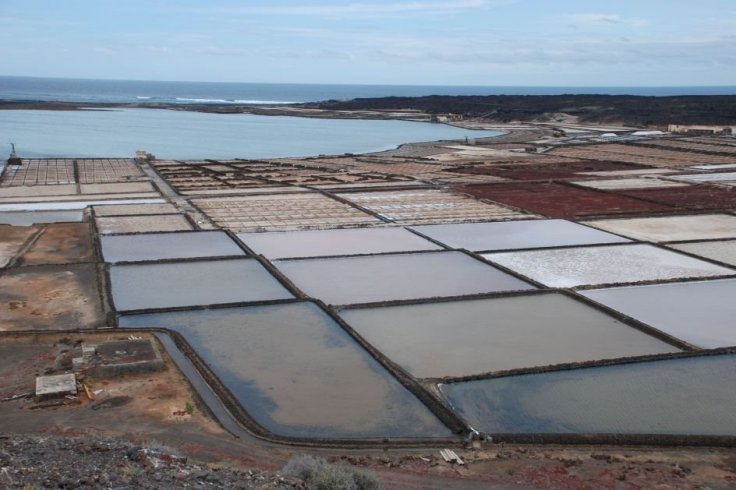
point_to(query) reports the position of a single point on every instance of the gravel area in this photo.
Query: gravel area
(60, 462)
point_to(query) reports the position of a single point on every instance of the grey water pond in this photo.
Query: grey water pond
(142, 286)
(351, 280)
(700, 313)
(315, 243)
(28, 218)
(460, 338)
(298, 373)
(156, 246)
(691, 396)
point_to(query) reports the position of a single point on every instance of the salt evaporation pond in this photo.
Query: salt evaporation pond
(72, 205)
(350, 280)
(700, 313)
(28, 218)
(609, 264)
(672, 228)
(209, 282)
(692, 396)
(316, 243)
(157, 246)
(461, 338)
(298, 373)
(508, 235)
(721, 251)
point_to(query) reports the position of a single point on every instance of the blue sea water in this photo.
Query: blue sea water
(84, 90)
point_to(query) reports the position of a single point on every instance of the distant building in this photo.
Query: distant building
(443, 118)
(13, 160)
(700, 129)
(144, 155)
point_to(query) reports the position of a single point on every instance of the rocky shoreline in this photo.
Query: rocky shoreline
(639, 111)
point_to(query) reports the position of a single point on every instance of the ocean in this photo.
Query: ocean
(83, 90)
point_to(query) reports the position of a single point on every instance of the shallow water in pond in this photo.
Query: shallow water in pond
(27, 218)
(298, 374)
(461, 338)
(700, 313)
(315, 243)
(156, 246)
(693, 396)
(142, 286)
(353, 280)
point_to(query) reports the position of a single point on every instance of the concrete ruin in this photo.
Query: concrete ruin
(56, 386)
(115, 358)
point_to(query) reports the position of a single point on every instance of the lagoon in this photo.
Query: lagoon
(171, 134)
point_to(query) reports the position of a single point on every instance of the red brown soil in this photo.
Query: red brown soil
(694, 197)
(50, 297)
(545, 171)
(562, 201)
(61, 243)
(12, 239)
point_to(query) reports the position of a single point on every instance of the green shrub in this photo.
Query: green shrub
(320, 475)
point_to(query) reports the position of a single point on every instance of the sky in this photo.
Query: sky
(414, 42)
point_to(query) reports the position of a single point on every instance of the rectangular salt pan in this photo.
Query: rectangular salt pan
(279, 245)
(156, 246)
(516, 235)
(369, 279)
(608, 264)
(714, 177)
(693, 396)
(298, 374)
(700, 313)
(462, 338)
(143, 286)
(672, 228)
(719, 166)
(134, 209)
(137, 224)
(720, 251)
(28, 218)
(633, 183)
(73, 205)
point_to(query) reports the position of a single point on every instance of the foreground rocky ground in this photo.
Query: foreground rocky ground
(53, 461)
(60, 462)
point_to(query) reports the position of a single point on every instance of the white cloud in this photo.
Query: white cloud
(370, 9)
(602, 19)
(594, 18)
(571, 52)
(220, 51)
(108, 50)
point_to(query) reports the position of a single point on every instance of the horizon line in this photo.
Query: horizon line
(364, 84)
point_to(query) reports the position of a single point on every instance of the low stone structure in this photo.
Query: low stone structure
(119, 357)
(56, 386)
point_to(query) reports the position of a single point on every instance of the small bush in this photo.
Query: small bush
(320, 475)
